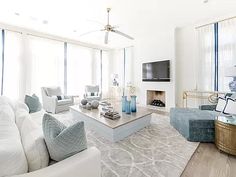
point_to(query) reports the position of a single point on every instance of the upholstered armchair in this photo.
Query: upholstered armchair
(54, 101)
(92, 93)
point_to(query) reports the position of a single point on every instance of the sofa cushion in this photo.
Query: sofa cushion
(53, 91)
(64, 102)
(33, 143)
(12, 156)
(62, 141)
(33, 103)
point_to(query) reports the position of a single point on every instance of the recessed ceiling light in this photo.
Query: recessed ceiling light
(17, 14)
(74, 31)
(205, 1)
(45, 22)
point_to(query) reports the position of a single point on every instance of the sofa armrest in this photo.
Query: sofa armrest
(84, 164)
(207, 107)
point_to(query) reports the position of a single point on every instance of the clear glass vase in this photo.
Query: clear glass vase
(124, 100)
(133, 103)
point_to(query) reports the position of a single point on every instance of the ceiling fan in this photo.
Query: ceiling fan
(108, 28)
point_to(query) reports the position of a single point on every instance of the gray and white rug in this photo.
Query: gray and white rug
(155, 151)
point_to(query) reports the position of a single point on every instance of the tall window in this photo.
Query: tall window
(47, 63)
(105, 74)
(206, 62)
(217, 52)
(13, 75)
(1, 57)
(79, 69)
(227, 51)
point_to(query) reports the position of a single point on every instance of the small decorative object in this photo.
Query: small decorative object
(115, 79)
(94, 104)
(84, 101)
(127, 107)
(88, 106)
(231, 72)
(111, 115)
(124, 100)
(133, 103)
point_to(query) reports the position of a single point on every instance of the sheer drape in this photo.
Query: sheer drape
(227, 51)
(14, 66)
(206, 65)
(79, 69)
(105, 74)
(47, 63)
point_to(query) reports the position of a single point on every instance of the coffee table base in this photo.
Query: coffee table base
(114, 134)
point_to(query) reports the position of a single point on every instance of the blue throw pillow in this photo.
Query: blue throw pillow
(33, 103)
(62, 141)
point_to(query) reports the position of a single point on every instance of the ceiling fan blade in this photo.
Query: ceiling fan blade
(106, 37)
(91, 32)
(122, 34)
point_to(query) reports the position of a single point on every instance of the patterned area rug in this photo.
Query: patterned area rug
(155, 151)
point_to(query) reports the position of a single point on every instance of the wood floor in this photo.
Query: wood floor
(207, 161)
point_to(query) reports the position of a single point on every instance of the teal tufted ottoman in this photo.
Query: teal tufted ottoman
(194, 124)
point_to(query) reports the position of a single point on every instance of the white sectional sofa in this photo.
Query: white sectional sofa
(14, 158)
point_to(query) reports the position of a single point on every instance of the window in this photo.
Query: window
(217, 52)
(47, 63)
(206, 62)
(13, 75)
(105, 74)
(1, 57)
(79, 69)
(227, 51)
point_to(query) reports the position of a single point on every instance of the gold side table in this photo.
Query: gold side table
(225, 134)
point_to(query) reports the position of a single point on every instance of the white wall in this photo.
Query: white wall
(153, 46)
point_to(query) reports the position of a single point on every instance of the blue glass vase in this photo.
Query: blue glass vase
(128, 108)
(133, 103)
(124, 100)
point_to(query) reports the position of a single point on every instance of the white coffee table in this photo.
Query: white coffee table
(113, 130)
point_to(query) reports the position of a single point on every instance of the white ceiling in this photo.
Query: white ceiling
(71, 18)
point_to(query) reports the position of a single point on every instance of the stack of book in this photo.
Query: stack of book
(111, 115)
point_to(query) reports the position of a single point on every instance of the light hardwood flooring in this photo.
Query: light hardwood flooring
(208, 161)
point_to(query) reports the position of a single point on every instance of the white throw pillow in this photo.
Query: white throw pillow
(221, 104)
(34, 144)
(230, 107)
(12, 156)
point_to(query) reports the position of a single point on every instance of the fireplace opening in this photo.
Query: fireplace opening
(156, 98)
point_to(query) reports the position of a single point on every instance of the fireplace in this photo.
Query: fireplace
(156, 98)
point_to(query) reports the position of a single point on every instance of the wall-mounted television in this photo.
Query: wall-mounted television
(157, 71)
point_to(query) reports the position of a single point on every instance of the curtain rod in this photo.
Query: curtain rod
(215, 22)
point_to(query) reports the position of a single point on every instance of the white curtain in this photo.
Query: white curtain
(13, 77)
(105, 74)
(206, 65)
(227, 51)
(1, 50)
(47, 63)
(79, 69)
(128, 65)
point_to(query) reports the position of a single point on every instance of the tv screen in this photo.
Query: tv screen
(157, 71)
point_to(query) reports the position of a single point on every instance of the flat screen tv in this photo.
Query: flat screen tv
(157, 71)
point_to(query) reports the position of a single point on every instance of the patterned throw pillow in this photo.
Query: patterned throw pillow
(230, 107)
(62, 141)
(33, 103)
(221, 104)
